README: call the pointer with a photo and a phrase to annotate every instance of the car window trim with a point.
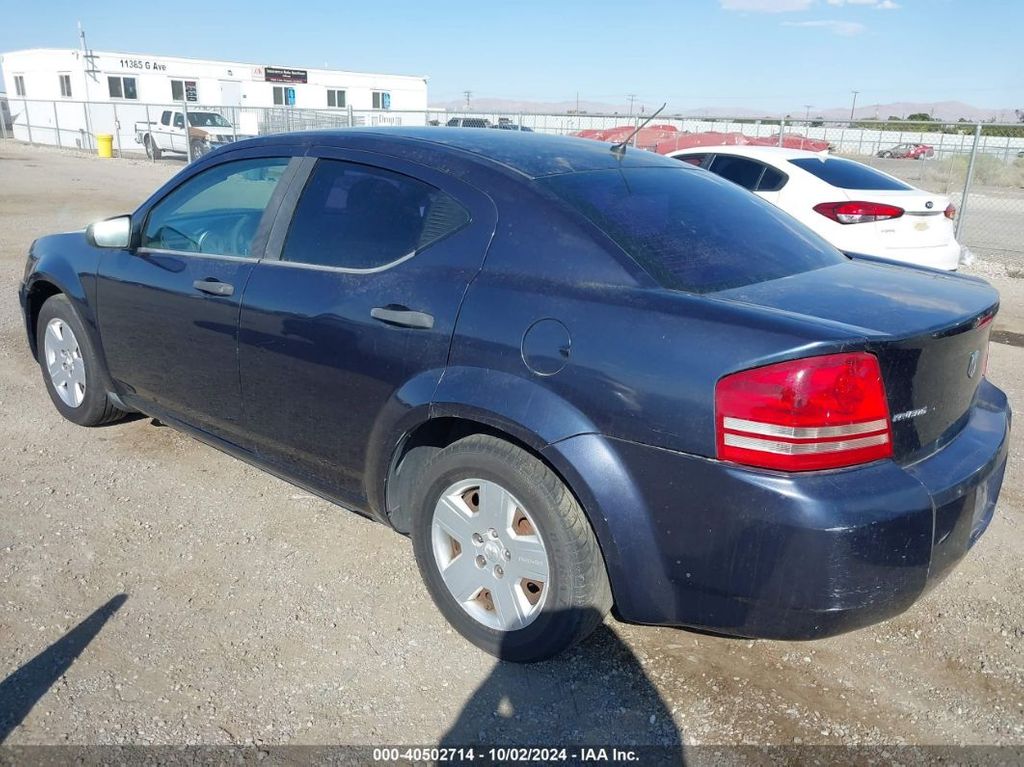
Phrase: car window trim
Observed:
(170, 252)
(286, 215)
(266, 220)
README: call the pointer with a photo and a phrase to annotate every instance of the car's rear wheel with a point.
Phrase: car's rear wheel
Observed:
(152, 150)
(506, 552)
(71, 367)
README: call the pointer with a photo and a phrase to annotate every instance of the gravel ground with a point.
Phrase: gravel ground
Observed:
(154, 590)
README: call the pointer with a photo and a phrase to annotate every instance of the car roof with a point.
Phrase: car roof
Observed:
(531, 154)
(767, 153)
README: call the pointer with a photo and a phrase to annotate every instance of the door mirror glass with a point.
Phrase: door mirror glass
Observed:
(112, 233)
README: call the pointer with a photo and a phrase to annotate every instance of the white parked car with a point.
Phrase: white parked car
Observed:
(855, 207)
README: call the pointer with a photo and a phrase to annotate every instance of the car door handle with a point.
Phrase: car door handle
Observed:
(214, 287)
(399, 315)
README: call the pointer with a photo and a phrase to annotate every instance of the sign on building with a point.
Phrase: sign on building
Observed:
(284, 75)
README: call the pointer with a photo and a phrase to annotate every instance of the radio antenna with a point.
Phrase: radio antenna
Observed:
(619, 149)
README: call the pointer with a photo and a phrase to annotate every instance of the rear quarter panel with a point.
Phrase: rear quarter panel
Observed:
(634, 361)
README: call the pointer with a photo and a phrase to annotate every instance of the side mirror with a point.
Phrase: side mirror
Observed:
(111, 233)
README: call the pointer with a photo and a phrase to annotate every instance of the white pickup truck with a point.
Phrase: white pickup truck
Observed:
(206, 131)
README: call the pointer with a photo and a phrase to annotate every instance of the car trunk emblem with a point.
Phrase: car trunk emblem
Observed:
(972, 364)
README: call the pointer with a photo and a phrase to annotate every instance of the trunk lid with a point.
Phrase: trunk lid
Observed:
(922, 225)
(929, 330)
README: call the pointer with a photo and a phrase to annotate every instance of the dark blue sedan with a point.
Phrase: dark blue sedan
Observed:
(577, 378)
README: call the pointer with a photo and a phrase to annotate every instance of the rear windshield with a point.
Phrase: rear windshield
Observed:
(692, 230)
(847, 174)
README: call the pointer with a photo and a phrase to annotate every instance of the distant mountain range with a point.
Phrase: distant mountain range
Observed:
(940, 110)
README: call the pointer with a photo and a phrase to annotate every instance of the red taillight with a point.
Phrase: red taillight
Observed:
(950, 211)
(858, 212)
(812, 413)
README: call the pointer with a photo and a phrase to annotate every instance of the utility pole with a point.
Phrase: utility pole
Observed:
(632, 99)
(853, 107)
(468, 95)
(807, 112)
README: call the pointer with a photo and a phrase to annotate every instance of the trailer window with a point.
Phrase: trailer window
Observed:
(184, 90)
(336, 98)
(65, 86)
(122, 88)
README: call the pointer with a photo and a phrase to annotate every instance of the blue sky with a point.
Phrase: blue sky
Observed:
(772, 55)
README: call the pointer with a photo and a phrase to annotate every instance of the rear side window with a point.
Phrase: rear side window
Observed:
(739, 170)
(772, 180)
(847, 174)
(692, 231)
(357, 217)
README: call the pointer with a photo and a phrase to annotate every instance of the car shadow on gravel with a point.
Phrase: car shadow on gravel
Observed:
(596, 694)
(20, 691)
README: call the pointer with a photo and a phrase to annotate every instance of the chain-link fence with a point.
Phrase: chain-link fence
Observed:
(980, 167)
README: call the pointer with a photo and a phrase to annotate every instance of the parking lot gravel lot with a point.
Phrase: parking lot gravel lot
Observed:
(154, 590)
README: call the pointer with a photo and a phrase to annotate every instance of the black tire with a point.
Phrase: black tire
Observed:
(152, 150)
(199, 148)
(96, 407)
(579, 594)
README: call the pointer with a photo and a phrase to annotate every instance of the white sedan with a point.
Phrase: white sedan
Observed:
(855, 207)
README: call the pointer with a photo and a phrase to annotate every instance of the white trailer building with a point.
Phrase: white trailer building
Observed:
(67, 96)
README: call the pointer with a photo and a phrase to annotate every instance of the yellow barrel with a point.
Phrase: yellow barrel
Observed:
(104, 145)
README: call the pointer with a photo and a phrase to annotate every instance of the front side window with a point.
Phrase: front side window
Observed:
(122, 88)
(381, 100)
(65, 86)
(336, 98)
(19, 85)
(357, 217)
(692, 231)
(216, 212)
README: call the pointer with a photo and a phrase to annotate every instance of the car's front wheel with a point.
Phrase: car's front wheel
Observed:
(71, 367)
(506, 552)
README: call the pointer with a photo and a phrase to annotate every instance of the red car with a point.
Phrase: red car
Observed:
(908, 152)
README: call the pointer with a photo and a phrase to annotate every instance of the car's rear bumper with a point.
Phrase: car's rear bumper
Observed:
(946, 256)
(696, 542)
